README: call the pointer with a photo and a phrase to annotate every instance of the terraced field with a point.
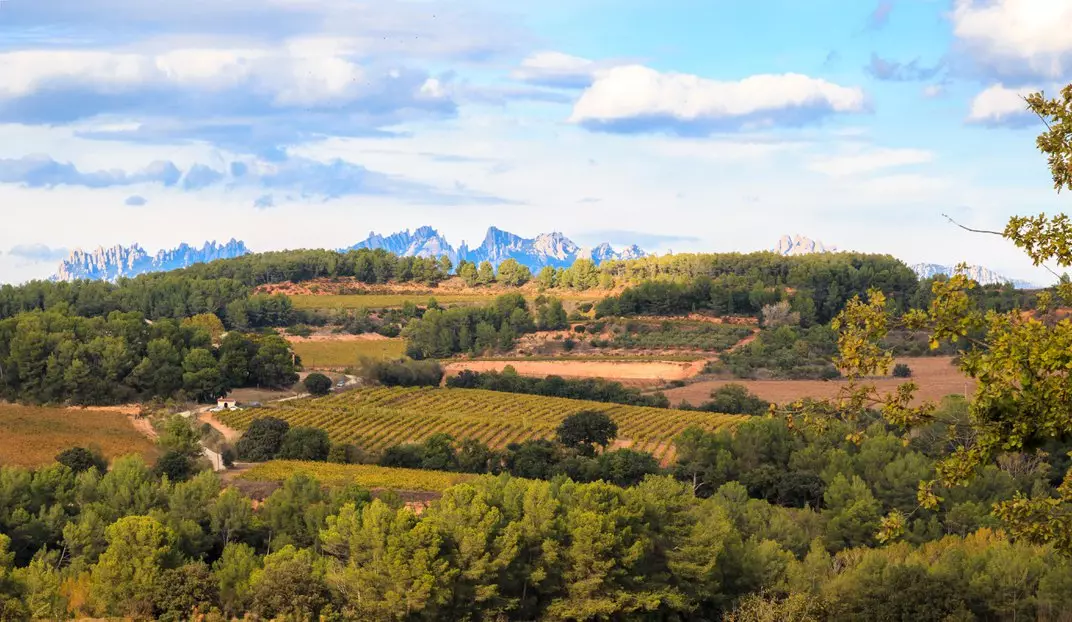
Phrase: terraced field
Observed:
(384, 301)
(381, 417)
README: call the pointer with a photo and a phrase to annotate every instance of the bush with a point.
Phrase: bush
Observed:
(900, 370)
(317, 384)
(345, 453)
(262, 440)
(735, 399)
(305, 443)
(301, 330)
(176, 465)
(402, 373)
(80, 459)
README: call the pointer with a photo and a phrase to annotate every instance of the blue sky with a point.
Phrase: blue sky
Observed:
(683, 125)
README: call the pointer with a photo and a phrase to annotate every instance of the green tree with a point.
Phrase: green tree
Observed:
(551, 315)
(468, 273)
(585, 429)
(547, 278)
(201, 377)
(513, 274)
(273, 365)
(234, 574)
(11, 603)
(304, 443)
(262, 440)
(485, 274)
(318, 384)
(139, 548)
(290, 584)
(852, 514)
(182, 591)
(80, 459)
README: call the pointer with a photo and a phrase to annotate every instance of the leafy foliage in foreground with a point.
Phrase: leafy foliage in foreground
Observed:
(490, 548)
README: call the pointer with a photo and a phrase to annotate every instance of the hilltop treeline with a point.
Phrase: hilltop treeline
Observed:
(52, 357)
(593, 389)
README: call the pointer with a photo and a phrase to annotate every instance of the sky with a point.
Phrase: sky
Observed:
(679, 125)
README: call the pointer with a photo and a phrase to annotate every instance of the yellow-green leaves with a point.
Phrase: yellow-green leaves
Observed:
(1056, 141)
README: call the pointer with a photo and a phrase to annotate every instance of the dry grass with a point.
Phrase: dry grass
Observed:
(622, 370)
(935, 376)
(32, 436)
(364, 475)
(335, 354)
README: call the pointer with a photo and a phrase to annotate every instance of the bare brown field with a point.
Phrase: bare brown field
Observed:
(647, 372)
(32, 436)
(935, 376)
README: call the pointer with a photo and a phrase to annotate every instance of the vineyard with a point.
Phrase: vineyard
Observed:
(367, 476)
(381, 417)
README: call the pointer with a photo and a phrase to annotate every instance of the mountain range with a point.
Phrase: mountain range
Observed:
(546, 249)
(109, 264)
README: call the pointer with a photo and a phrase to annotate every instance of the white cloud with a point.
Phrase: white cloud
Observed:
(634, 98)
(556, 69)
(869, 161)
(291, 76)
(1017, 38)
(999, 104)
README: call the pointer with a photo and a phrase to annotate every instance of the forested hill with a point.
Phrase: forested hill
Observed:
(828, 279)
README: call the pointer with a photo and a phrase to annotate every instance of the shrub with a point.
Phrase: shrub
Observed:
(579, 328)
(262, 440)
(735, 399)
(402, 373)
(305, 443)
(176, 465)
(345, 453)
(80, 459)
(317, 384)
(900, 370)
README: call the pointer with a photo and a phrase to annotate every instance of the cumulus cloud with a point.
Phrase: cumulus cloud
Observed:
(136, 201)
(38, 253)
(558, 70)
(893, 71)
(309, 82)
(306, 178)
(633, 99)
(41, 171)
(869, 161)
(999, 105)
(1016, 41)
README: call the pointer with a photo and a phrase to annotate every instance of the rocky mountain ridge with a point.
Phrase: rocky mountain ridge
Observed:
(110, 264)
(547, 249)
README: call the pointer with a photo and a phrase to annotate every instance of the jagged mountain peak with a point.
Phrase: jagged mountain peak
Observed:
(546, 249)
(799, 245)
(118, 261)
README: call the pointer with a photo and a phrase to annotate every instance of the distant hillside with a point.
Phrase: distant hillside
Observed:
(109, 264)
(801, 245)
(546, 249)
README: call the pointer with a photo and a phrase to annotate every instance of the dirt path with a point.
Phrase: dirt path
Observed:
(143, 425)
(229, 434)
